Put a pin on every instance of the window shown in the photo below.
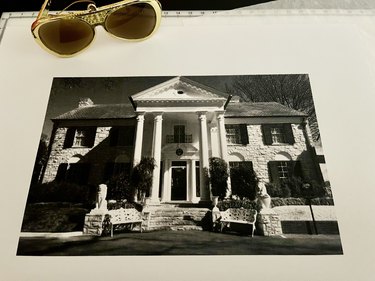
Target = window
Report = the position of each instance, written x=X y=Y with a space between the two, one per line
x=283 y=170
x=179 y=135
x=80 y=137
x=237 y=134
x=277 y=134
x=113 y=169
x=122 y=136
x=73 y=173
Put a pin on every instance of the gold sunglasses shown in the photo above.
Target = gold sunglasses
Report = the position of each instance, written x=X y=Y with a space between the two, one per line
x=67 y=33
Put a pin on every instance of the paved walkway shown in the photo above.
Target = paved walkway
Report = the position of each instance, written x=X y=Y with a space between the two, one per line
x=181 y=243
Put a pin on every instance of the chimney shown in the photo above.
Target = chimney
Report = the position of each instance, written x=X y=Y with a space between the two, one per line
x=235 y=99
x=84 y=102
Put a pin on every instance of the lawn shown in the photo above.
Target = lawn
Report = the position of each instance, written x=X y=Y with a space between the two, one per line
x=54 y=217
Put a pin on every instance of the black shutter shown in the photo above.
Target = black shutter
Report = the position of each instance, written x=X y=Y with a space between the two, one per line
x=273 y=172
x=84 y=169
x=108 y=171
x=69 y=137
x=91 y=134
x=288 y=133
x=297 y=169
x=130 y=136
x=61 y=172
x=244 y=134
x=113 y=136
x=267 y=137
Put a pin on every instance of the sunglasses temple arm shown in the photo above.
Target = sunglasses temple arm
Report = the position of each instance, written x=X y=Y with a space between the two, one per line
x=45 y=9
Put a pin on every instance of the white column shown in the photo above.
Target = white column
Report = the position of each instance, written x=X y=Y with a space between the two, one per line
x=138 y=139
x=165 y=194
x=223 y=146
x=156 y=154
x=193 y=181
x=222 y=136
x=204 y=161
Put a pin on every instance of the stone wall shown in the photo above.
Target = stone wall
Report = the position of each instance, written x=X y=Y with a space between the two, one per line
x=268 y=223
x=98 y=155
x=260 y=154
x=93 y=224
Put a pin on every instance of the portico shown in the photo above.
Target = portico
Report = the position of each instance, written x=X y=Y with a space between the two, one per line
x=180 y=125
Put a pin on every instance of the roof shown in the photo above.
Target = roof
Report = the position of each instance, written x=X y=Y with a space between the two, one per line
x=261 y=109
x=126 y=111
x=99 y=111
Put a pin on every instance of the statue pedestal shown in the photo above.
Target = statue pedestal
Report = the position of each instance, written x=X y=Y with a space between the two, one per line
x=93 y=224
x=268 y=223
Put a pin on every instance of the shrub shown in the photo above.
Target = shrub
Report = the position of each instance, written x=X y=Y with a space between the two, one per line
x=61 y=192
x=113 y=205
x=119 y=188
x=293 y=187
x=278 y=190
x=235 y=203
x=244 y=182
x=218 y=177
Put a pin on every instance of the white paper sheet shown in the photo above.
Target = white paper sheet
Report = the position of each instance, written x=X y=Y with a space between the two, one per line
x=336 y=51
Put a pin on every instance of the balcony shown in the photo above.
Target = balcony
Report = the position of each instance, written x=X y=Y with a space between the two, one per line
x=179 y=138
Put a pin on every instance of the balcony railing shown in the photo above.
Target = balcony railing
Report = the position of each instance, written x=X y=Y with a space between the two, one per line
x=179 y=138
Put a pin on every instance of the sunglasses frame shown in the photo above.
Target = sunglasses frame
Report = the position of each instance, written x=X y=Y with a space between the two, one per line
x=93 y=16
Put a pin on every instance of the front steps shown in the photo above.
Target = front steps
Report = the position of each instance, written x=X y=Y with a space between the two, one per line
x=175 y=217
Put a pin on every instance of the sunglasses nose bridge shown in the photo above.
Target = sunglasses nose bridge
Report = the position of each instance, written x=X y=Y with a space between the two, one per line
x=95 y=18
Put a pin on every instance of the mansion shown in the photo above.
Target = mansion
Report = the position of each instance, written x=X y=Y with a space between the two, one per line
x=181 y=124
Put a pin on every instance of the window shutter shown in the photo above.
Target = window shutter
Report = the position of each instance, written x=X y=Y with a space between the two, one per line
x=108 y=171
x=84 y=171
x=69 y=137
x=91 y=136
x=131 y=135
x=273 y=172
x=288 y=133
x=61 y=172
x=113 y=136
x=244 y=134
x=297 y=169
x=267 y=137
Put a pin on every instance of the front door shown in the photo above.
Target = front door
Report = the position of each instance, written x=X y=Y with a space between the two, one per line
x=178 y=184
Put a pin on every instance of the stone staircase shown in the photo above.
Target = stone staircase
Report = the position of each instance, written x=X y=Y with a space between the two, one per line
x=175 y=217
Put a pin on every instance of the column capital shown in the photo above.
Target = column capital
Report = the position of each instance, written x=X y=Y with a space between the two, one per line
x=220 y=114
x=140 y=116
x=158 y=116
x=202 y=115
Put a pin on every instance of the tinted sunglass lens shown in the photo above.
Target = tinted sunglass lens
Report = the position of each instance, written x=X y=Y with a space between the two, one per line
x=134 y=21
x=66 y=36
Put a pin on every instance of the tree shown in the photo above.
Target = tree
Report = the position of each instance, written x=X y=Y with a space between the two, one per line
x=41 y=159
x=142 y=175
x=218 y=177
x=293 y=91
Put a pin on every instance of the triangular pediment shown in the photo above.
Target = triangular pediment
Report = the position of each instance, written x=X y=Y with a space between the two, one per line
x=179 y=89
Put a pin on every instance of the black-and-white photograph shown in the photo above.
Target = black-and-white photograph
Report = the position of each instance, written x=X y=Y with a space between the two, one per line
x=180 y=165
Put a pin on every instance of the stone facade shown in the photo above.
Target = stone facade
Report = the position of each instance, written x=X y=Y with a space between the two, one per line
x=260 y=154
x=98 y=155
